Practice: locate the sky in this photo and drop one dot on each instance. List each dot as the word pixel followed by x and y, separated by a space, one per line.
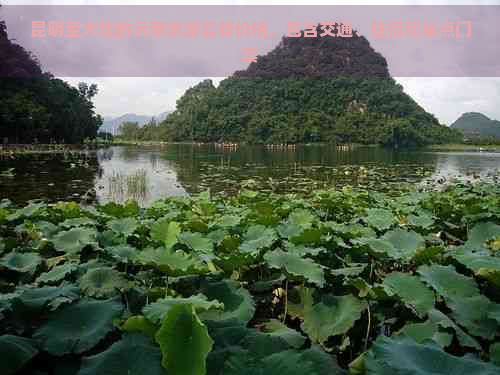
pixel 446 97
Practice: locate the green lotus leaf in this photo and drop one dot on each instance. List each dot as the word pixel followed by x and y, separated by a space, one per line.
pixel 353 270
pixel 313 361
pixel 139 323
pixel 57 273
pixel 257 238
pixel 125 226
pixel 16 352
pixel 232 340
pixel 166 232
pixel 481 233
pixel 437 317
pixel 35 299
pixel 128 209
pixel 196 242
pixel 296 265
pixel 333 315
pixel 411 290
pixel 134 354
pixel 174 263
pixel 379 218
pixel 74 240
pixel 46 228
pixel 102 282
pixel 274 327
pixel 302 250
pixel 78 222
pixel 228 221
pixel 288 230
pixel 427 330
pixel 405 243
pixel 424 221
pixel 495 353
pixel 473 313
pixel 78 327
pixel 31 210
pixel 157 311
pixel 184 342
pixel 447 282
pixel 21 262
pixel 481 262
pixel 122 253
pixel 301 218
pixel 238 302
pixel 403 356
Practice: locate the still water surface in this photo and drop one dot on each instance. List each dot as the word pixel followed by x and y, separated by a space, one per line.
pixel 118 173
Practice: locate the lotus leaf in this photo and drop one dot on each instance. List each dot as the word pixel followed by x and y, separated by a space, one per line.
pixel 78 327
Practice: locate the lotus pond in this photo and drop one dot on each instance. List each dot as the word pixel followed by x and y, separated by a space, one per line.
pixel 146 174
pixel 330 282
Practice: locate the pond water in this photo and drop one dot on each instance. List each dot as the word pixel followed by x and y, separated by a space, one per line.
pixel 118 173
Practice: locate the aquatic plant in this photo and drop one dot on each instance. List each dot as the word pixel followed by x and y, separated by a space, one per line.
pixel 320 283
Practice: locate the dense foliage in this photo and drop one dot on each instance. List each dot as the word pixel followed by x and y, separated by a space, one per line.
pixel 35 107
pixel 308 109
pixel 255 284
pixel 321 89
pixel 151 131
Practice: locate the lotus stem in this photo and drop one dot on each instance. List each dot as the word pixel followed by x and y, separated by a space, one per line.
pixel 286 301
pixel 368 328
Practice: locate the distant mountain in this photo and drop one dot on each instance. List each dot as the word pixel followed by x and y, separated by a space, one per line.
pixel 315 89
pixel 112 124
pixel 477 125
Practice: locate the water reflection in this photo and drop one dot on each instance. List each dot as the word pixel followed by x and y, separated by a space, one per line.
pixel 119 173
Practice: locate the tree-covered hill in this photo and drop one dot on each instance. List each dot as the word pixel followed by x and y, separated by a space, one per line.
pixel 36 107
pixel 323 89
pixel 476 125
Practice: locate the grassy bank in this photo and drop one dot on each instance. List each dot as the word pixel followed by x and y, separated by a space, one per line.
pixel 255 283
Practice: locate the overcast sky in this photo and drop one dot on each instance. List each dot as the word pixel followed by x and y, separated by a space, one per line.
pixel 446 98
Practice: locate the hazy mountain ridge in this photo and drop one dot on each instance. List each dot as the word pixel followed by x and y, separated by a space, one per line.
pixel 112 124
pixel 477 125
